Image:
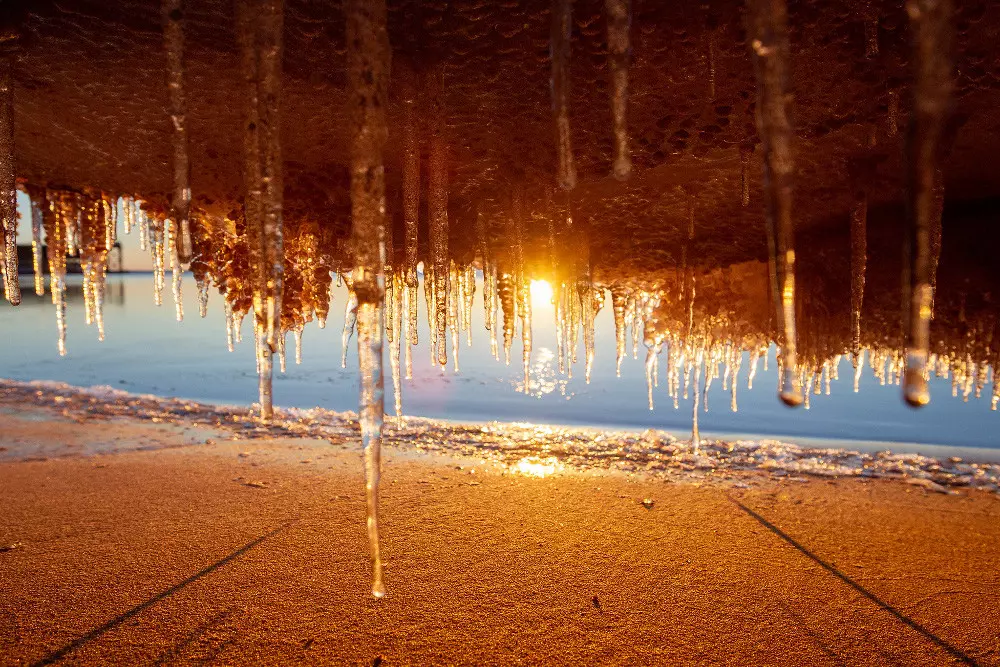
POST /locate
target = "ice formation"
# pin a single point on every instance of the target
(700, 318)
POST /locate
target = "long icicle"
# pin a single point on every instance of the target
(562, 29)
(173, 41)
(619, 15)
(368, 75)
(768, 33)
(859, 259)
(37, 196)
(437, 209)
(396, 327)
(619, 299)
(55, 238)
(8, 181)
(930, 22)
(695, 435)
(411, 204)
(350, 320)
(261, 25)
(522, 289)
(484, 256)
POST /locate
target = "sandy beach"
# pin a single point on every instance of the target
(184, 545)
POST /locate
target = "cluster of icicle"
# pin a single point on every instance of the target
(85, 225)
(968, 375)
(507, 312)
(702, 356)
(255, 280)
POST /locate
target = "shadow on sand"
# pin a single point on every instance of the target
(62, 652)
(955, 652)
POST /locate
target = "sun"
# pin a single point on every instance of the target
(541, 293)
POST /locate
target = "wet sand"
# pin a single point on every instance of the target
(206, 549)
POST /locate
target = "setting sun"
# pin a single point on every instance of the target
(541, 293)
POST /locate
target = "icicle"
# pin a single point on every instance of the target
(575, 317)
(859, 259)
(728, 360)
(562, 28)
(411, 206)
(144, 238)
(265, 363)
(8, 181)
(588, 316)
(281, 351)
(202, 286)
(157, 243)
(619, 297)
(110, 222)
(859, 364)
(463, 299)
(469, 286)
(709, 376)
(55, 237)
(175, 269)
(230, 323)
(482, 243)
(298, 345)
(128, 214)
(935, 233)
(350, 321)
(586, 293)
(453, 316)
(652, 351)
(406, 343)
(72, 221)
(525, 313)
(437, 208)
(37, 203)
(173, 41)
(695, 435)
(932, 30)
(619, 14)
(507, 301)
(390, 300)
(736, 363)
(522, 292)
(431, 310)
(494, 293)
(636, 326)
(690, 275)
(260, 25)
(396, 326)
(560, 317)
(368, 79)
(995, 396)
(768, 32)
(754, 361)
(93, 259)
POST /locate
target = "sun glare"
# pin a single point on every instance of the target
(541, 293)
(532, 466)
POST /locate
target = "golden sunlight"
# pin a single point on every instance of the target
(541, 293)
(533, 466)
